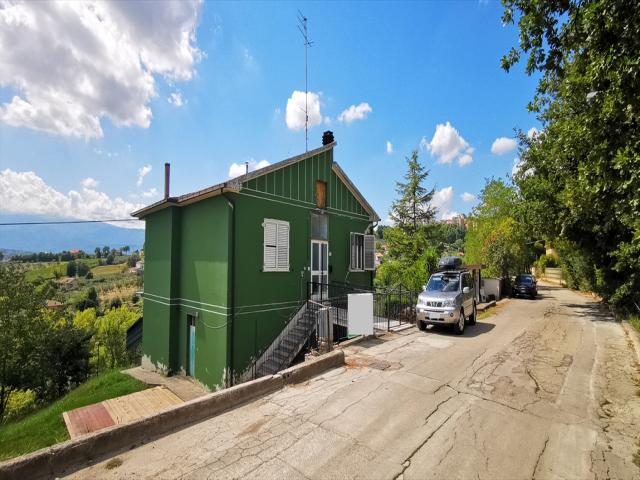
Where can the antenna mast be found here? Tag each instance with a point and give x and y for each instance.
(302, 26)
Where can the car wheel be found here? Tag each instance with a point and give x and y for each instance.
(474, 314)
(421, 325)
(458, 327)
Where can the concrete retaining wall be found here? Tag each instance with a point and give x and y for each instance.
(74, 454)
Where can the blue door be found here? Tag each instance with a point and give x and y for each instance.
(191, 367)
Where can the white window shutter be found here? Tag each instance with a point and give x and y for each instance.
(369, 252)
(354, 252)
(283, 246)
(270, 246)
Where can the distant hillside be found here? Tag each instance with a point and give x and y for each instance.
(55, 238)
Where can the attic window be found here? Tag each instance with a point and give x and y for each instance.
(321, 194)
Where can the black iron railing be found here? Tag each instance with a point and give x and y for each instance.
(391, 307)
(309, 327)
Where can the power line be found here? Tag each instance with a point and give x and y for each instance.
(64, 222)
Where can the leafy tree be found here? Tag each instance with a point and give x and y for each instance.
(72, 268)
(105, 250)
(22, 330)
(125, 249)
(82, 269)
(111, 335)
(65, 360)
(580, 177)
(495, 236)
(133, 259)
(98, 252)
(110, 259)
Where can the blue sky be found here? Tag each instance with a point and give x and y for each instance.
(416, 65)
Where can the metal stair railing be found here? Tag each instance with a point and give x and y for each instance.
(289, 342)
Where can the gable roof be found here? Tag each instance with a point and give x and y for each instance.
(235, 185)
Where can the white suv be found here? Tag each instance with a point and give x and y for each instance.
(449, 299)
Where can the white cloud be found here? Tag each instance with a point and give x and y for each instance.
(237, 169)
(74, 63)
(294, 115)
(389, 147)
(465, 159)
(467, 197)
(100, 152)
(27, 193)
(448, 145)
(152, 192)
(503, 145)
(449, 215)
(89, 183)
(176, 99)
(143, 172)
(532, 133)
(442, 201)
(355, 112)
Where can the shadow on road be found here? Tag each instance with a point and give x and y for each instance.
(598, 311)
(470, 330)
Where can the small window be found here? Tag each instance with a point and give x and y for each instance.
(321, 194)
(362, 252)
(276, 246)
(319, 226)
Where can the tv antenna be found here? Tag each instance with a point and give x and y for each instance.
(302, 26)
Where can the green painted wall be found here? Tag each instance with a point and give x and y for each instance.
(188, 269)
(162, 245)
(266, 300)
(196, 262)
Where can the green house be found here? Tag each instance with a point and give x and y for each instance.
(228, 268)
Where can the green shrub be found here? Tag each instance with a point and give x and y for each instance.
(20, 402)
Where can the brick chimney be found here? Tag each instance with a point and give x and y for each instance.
(167, 171)
(327, 137)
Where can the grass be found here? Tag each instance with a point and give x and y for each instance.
(46, 426)
(45, 270)
(489, 312)
(635, 322)
(106, 270)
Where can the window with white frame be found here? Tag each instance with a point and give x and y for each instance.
(276, 246)
(362, 252)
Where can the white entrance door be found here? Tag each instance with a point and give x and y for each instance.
(319, 269)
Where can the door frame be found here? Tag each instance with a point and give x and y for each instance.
(191, 345)
(321, 272)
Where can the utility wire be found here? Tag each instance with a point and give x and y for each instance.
(62, 222)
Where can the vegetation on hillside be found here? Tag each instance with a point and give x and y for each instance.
(48, 351)
(46, 427)
(579, 178)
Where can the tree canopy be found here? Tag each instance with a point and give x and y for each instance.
(580, 176)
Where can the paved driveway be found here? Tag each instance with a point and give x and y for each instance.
(542, 389)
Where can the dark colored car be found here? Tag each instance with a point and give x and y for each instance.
(525, 286)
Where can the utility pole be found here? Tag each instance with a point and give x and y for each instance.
(302, 26)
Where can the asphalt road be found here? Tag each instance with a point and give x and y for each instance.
(542, 389)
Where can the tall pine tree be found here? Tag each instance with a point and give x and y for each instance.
(411, 257)
(413, 209)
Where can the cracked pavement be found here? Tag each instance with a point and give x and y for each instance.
(542, 389)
